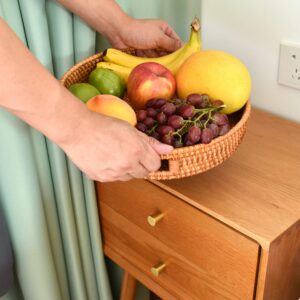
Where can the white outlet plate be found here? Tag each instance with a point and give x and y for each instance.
(289, 65)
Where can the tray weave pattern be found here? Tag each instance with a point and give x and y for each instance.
(186, 161)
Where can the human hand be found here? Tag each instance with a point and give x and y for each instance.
(108, 149)
(146, 35)
(122, 31)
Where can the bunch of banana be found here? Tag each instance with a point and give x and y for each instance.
(123, 63)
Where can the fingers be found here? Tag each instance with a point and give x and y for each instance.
(171, 33)
(147, 53)
(168, 30)
(151, 53)
(125, 177)
(168, 43)
(151, 164)
(111, 175)
(139, 171)
(159, 147)
(153, 148)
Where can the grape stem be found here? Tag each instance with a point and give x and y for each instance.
(149, 132)
(209, 110)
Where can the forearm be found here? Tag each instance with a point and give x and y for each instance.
(30, 92)
(105, 16)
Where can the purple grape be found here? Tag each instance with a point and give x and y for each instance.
(217, 103)
(141, 127)
(214, 128)
(204, 101)
(141, 115)
(164, 129)
(175, 121)
(186, 141)
(177, 143)
(194, 99)
(150, 103)
(220, 119)
(224, 129)
(194, 134)
(149, 122)
(203, 120)
(186, 111)
(155, 135)
(161, 118)
(189, 143)
(206, 136)
(178, 102)
(168, 108)
(151, 112)
(159, 103)
(167, 139)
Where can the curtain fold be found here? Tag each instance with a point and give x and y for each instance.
(84, 39)
(23, 208)
(63, 206)
(21, 203)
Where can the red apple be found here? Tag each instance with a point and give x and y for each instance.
(147, 81)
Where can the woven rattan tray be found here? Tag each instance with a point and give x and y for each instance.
(186, 161)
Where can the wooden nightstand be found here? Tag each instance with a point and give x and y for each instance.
(230, 233)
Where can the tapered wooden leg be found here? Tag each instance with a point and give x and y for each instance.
(128, 287)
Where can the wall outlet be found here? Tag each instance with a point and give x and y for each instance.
(289, 65)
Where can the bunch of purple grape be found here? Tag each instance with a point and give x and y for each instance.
(180, 123)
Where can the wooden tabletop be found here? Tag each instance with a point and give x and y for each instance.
(257, 190)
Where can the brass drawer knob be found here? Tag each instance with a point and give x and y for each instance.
(155, 218)
(157, 269)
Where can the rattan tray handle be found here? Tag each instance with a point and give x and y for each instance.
(168, 168)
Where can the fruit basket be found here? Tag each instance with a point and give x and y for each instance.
(185, 161)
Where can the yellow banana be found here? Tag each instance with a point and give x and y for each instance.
(122, 71)
(122, 63)
(193, 45)
(124, 59)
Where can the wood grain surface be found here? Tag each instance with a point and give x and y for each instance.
(219, 251)
(182, 276)
(257, 190)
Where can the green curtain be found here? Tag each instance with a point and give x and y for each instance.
(49, 205)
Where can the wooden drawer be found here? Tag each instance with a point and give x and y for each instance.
(210, 258)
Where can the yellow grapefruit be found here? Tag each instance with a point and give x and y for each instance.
(218, 74)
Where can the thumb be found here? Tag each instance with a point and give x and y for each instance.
(159, 147)
(168, 43)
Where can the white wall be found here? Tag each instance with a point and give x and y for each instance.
(252, 30)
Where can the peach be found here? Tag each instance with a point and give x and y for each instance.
(148, 81)
(112, 106)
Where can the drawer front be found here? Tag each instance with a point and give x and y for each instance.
(180, 277)
(224, 256)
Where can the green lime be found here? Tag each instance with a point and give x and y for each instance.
(107, 82)
(84, 91)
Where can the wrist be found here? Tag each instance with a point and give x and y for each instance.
(113, 22)
(67, 116)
